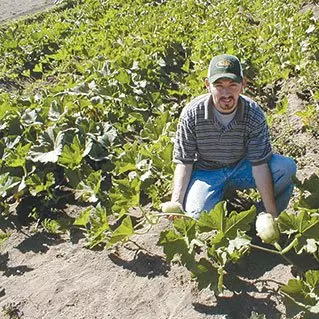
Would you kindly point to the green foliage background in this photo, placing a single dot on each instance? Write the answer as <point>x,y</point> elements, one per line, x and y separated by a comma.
<point>91,91</point>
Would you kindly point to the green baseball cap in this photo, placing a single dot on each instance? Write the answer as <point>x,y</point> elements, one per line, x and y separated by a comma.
<point>225,66</point>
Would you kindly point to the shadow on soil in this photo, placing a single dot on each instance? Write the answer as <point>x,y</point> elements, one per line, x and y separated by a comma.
<point>11,271</point>
<point>240,307</point>
<point>39,243</point>
<point>256,264</point>
<point>143,265</point>
<point>242,303</point>
<point>238,280</point>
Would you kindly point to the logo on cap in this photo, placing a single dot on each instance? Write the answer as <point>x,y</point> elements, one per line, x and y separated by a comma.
<point>224,64</point>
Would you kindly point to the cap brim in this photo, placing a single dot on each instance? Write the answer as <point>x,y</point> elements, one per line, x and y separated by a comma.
<point>231,76</point>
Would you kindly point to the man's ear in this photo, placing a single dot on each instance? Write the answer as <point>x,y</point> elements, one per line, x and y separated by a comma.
<point>207,84</point>
<point>245,81</point>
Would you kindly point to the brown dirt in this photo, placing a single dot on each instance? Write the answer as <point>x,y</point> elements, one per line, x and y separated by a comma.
<point>48,276</point>
<point>12,9</point>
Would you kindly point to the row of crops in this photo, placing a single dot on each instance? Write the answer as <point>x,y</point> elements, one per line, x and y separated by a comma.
<point>90,95</point>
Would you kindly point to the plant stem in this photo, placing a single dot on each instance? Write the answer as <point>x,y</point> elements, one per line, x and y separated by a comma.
<point>289,247</point>
<point>278,247</point>
<point>138,246</point>
<point>265,249</point>
<point>175,214</point>
<point>147,217</point>
<point>143,232</point>
<point>277,253</point>
<point>269,280</point>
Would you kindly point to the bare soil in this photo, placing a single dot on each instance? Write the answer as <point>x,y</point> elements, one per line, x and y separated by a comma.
<point>12,9</point>
<point>53,276</point>
<point>49,276</point>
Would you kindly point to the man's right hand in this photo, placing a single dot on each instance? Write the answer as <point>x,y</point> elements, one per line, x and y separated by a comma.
<point>172,207</point>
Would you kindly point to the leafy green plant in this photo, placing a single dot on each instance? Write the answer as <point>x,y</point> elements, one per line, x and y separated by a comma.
<point>255,315</point>
<point>4,237</point>
<point>303,294</point>
<point>309,197</point>
<point>221,237</point>
<point>11,311</point>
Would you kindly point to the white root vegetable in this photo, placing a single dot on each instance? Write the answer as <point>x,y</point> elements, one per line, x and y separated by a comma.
<point>267,228</point>
<point>172,208</point>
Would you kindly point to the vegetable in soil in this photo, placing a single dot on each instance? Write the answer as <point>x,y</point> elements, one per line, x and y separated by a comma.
<point>267,228</point>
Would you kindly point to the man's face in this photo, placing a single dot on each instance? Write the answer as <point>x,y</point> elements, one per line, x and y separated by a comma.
<point>225,93</point>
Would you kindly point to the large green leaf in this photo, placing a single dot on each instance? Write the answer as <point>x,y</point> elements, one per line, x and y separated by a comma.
<point>304,293</point>
<point>128,158</point>
<point>288,223</point>
<point>31,117</point>
<point>17,156</point>
<point>304,223</point>
<point>122,233</point>
<point>50,146</point>
<point>56,111</point>
<point>160,153</point>
<point>176,245</point>
<point>214,220</point>
<point>88,188</point>
<point>84,217</point>
<point>154,128</point>
<point>205,274</point>
<point>72,155</point>
<point>98,227</point>
<point>185,227</point>
<point>217,219</point>
<point>39,182</point>
<point>7,183</point>
<point>310,192</point>
<point>239,221</point>
<point>125,194</point>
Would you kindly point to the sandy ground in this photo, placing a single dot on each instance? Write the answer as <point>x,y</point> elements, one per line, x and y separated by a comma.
<point>12,9</point>
<point>46,276</point>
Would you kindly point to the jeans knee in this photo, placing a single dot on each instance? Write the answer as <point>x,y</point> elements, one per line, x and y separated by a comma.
<point>194,213</point>
<point>283,167</point>
<point>194,208</point>
<point>290,167</point>
<point>283,172</point>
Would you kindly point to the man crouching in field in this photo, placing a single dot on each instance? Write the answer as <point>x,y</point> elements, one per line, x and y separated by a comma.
<point>222,142</point>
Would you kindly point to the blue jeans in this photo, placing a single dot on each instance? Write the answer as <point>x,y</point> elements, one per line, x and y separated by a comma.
<point>207,188</point>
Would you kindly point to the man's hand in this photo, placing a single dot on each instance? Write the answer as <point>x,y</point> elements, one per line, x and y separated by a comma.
<point>263,179</point>
<point>172,208</point>
<point>267,228</point>
<point>182,177</point>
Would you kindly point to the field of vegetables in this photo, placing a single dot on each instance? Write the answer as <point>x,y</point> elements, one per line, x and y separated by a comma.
<point>90,94</point>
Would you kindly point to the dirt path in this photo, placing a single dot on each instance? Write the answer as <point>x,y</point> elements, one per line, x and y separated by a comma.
<point>12,9</point>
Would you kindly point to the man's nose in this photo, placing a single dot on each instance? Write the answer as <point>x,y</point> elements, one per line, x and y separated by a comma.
<point>225,91</point>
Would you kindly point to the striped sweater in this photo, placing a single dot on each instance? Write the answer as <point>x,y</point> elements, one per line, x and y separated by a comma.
<point>201,139</point>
